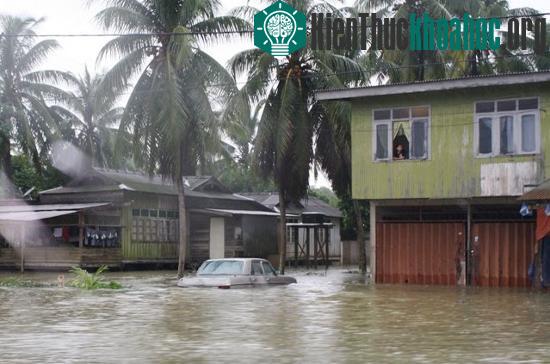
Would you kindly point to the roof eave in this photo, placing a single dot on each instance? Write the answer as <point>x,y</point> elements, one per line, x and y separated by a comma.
<point>432,86</point>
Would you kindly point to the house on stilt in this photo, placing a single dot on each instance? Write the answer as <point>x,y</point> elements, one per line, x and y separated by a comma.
<point>442,164</point>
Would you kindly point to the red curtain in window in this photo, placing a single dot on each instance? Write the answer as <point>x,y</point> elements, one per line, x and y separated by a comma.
<point>543,224</point>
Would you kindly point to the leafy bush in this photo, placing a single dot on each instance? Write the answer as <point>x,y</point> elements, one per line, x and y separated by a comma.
<point>87,280</point>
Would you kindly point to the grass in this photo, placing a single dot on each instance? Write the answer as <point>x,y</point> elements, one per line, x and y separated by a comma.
<point>86,280</point>
<point>19,283</point>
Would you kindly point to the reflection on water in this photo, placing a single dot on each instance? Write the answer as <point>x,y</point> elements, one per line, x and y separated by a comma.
<point>333,318</point>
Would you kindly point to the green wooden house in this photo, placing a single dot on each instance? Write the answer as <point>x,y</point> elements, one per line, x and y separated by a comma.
<point>442,164</point>
<point>127,219</point>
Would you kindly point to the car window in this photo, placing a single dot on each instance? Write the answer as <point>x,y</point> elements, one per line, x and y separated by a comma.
<point>213,267</point>
<point>268,269</point>
<point>256,269</point>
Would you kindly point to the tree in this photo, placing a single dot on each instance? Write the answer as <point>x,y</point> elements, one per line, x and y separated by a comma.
<point>283,147</point>
<point>168,112</point>
<point>92,112</point>
<point>333,153</point>
<point>25,176</point>
<point>26,122</point>
<point>407,65</point>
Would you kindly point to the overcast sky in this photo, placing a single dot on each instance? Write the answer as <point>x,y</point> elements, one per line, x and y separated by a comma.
<point>75,17</point>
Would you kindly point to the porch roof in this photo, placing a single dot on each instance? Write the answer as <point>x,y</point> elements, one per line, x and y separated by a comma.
<point>539,193</point>
<point>248,212</point>
<point>26,216</point>
<point>51,207</point>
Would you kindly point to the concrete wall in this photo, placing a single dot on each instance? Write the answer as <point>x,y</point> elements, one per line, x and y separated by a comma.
<point>452,170</point>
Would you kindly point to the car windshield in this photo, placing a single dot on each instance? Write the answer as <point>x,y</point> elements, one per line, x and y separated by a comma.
<point>213,267</point>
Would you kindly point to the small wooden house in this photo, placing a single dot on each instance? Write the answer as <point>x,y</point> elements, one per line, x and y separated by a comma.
<point>125,219</point>
<point>297,212</point>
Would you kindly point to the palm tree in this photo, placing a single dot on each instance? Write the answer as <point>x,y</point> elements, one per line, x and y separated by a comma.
<point>169,111</point>
<point>333,154</point>
<point>92,112</point>
<point>26,122</point>
<point>406,65</point>
<point>283,147</point>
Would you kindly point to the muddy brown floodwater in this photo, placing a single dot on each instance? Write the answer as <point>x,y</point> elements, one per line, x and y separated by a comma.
<point>322,319</point>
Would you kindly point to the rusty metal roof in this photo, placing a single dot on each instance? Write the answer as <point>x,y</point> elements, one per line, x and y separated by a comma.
<point>539,193</point>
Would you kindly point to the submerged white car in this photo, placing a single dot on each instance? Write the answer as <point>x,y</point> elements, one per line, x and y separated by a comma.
<point>234,273</point>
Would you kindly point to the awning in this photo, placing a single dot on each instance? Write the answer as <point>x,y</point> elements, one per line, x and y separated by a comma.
<point>248,212</point>
<point>51,207</point>
<point>26,216</point>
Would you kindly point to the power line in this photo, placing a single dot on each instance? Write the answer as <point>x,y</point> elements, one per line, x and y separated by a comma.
<point>60,35</point>
<point>373,68</point>
<point>68,35</point>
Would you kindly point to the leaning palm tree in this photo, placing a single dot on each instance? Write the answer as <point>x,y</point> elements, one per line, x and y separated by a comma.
<point>283,147</point>
<point>333,154</point>
<point>92,111</point>
<point>26,122</point>
<point>168,112</point>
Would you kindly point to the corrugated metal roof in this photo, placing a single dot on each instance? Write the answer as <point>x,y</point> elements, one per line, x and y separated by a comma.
<point>247,212</point>
<point>433,85</point>
<point>541,192</point>
<point>311,204</point>
<point>26,216</point>
<point>52,207</point>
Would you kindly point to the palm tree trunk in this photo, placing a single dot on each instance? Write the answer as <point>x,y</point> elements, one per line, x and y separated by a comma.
<point>282,232</point>
<point>183,238</point>
<point>5,157</point>
<point>360,237</point>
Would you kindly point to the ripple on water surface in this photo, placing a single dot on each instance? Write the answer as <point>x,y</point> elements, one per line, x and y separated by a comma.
<point>324,318</point>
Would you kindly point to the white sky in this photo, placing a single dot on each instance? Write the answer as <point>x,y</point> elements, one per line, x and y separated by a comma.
<point>75,17</point>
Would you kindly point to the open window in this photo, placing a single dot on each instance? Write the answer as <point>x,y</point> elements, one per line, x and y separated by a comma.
<point>401,133</point>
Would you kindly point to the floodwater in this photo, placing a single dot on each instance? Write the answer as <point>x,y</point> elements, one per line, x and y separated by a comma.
<point>322,319</point>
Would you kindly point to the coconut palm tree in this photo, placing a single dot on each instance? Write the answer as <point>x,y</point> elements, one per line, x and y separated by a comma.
<point>93,113</point>
<point>26,123</point>
<point>168,112</point>
<point>333,154</point>
<point>283,147</point>
<point>406,65</point>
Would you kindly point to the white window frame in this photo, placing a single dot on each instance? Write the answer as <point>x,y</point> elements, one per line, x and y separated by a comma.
<point>389,122</point>
<point>495,128</point>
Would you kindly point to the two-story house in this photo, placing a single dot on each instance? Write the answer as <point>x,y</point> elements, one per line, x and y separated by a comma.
<point>442,164</point>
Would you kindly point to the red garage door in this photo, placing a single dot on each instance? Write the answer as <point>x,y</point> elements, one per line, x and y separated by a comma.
<point>502,253</point>
<point>419,253</point>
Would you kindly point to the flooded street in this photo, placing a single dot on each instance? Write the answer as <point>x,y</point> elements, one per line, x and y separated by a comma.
<point>333,318</point>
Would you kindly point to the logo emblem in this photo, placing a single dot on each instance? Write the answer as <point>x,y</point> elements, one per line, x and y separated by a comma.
<point>280,29</point>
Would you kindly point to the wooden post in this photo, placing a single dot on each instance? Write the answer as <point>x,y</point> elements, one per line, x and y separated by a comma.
<point>296,238</point>
<point>307,247</point>
<point>22,238</point>
<point>327,233</point>
<point>469,247</point>
<point>372,250</point>
<point>81,229</point>
<point>315,245</point>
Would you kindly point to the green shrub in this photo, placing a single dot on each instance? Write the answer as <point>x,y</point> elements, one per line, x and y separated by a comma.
<point>86,280</point>
<point>18,282</point>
